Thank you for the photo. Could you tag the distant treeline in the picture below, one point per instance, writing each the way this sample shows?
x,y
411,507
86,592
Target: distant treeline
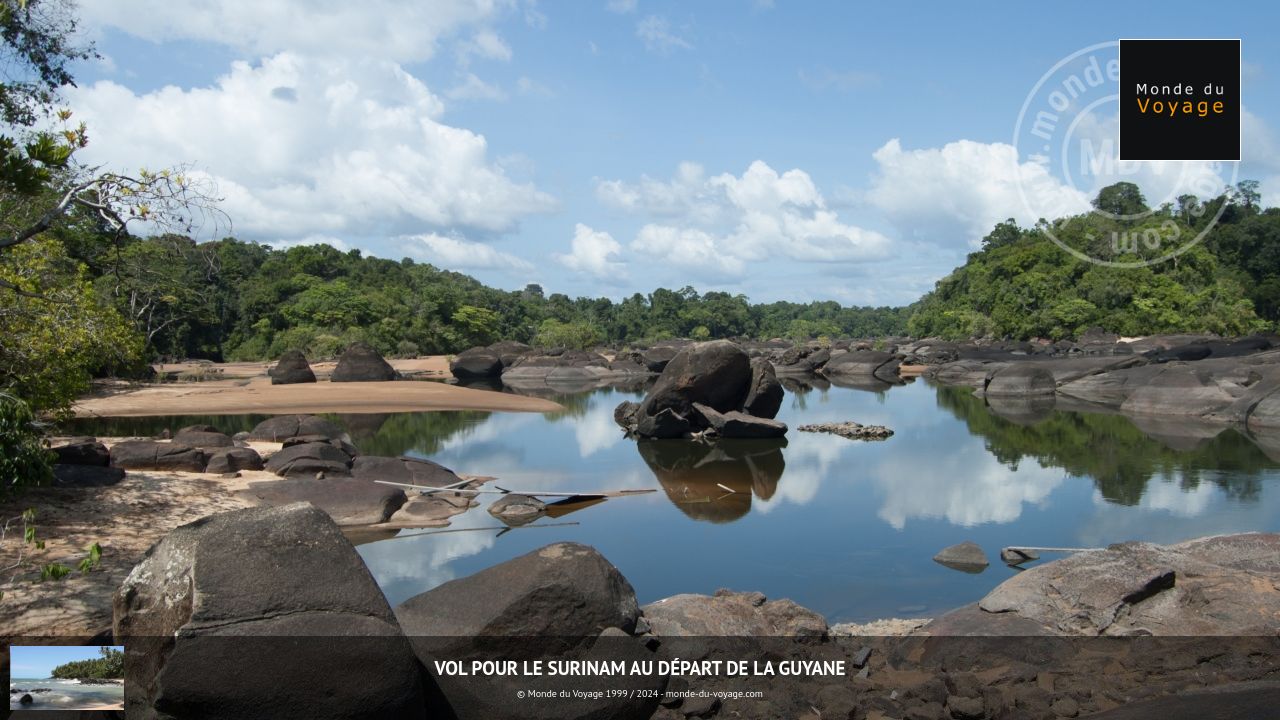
x,y
234,300
108,667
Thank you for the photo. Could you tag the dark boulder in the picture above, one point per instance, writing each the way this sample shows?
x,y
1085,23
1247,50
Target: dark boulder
x,y
361,363
1020,380
410,471
666,425
737,425
199,436
508,351
309,458
82,451
347,501
565,593
625,414
86,475
764,399
1184,353
152,455
965,557
291,369
231,460
478,362
716,374
283,427
269,589
656,358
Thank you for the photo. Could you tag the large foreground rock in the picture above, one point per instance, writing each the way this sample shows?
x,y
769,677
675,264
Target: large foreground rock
x,y
346,500
361,363
732,614
716,374
292,369
1217,586
261,613
563,601
152,455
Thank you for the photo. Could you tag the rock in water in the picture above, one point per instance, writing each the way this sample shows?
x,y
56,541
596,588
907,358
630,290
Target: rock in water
x,y
478,362
732,614
361,363
1021,379
271,590
283,427
517,509
851,430
292,369
716,374
965,557
737,425
765,396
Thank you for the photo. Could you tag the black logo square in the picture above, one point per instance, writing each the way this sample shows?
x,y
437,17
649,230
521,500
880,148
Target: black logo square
x,y
1179,99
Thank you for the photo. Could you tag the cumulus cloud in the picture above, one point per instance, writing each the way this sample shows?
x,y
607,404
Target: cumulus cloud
x,y
656,32
486,44
300,146
453,253
721,223
401,30
592,253
473,88
960,191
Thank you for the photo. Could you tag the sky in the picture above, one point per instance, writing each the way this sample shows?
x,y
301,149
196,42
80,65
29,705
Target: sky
x,y
784,150
38,661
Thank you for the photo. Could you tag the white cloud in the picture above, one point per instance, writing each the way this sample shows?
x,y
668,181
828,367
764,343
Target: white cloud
x,y
719,224
399,30
473,88
960,191
621,6
358,150
456,253
592,253
656,32
485,44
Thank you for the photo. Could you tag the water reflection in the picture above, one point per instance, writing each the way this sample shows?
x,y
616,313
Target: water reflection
x,y
715,482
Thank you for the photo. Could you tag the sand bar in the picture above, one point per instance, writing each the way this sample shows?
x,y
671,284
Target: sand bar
x,y
258,396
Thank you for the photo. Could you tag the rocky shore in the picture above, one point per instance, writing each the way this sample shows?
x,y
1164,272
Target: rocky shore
x,y
1103,632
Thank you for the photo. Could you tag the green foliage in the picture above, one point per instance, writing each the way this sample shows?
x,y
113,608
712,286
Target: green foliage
x,y
23,459
110,666
1022,286
55,329
573,335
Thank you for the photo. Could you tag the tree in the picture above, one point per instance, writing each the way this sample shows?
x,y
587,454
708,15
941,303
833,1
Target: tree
x,y
1122,199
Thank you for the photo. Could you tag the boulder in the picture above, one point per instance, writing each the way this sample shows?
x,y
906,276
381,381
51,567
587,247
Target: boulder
x,y
361,363
732,614
764,398
1185,353
283,427
564,594
411,471
508,351
734,424
716,374
965,557
864,362
291,369
346,500
1020,380
666,425
266,589
1110,388
625,415
152,455
517,509
82,451
229,460
198,436
85,475
1216,586
478,362
309,458
1182,390
656,358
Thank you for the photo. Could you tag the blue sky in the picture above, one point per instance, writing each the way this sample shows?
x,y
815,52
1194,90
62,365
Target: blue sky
x,y
38,661
608,147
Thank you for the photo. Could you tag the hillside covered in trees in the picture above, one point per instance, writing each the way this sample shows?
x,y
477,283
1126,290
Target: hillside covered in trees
x,y
1021,285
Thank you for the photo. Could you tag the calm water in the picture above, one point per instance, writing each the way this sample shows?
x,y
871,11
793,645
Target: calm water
x,y
844,527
